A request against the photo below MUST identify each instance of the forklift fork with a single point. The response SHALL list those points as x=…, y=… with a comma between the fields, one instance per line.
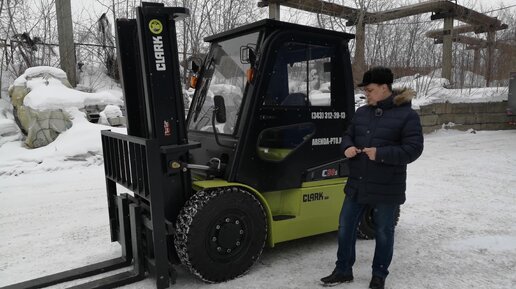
x=130, y=250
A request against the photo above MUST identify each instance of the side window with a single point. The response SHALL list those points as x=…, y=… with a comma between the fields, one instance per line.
x=276, y=143
x=301, y=76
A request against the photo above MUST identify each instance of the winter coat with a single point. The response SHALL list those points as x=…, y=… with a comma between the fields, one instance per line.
x=394, y=128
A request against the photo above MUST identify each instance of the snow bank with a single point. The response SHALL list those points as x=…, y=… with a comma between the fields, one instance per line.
x=9, y=130
x=59, y=97
x=81, y=143
x=432, y=89
x=110, y=112
x=32, y=72
x=51, y=93
x=47, y=90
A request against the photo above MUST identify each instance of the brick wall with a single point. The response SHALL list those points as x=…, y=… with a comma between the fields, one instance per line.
x=479, y=116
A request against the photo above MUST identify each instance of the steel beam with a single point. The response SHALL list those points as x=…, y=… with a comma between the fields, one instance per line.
x=274, y=11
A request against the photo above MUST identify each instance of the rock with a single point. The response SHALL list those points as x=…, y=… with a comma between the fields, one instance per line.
x=112, y=115
x=45, y=126
x=40, y=126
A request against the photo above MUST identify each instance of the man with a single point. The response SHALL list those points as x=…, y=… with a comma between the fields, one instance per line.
x=383, y=137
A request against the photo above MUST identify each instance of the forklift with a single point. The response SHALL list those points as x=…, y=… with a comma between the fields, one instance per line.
x=256, y=162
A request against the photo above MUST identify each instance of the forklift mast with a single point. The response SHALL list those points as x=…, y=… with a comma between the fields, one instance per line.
x=150, y=79
x=150, y=160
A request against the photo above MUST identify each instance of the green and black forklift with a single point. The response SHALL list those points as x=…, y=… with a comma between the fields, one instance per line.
x=256, y=162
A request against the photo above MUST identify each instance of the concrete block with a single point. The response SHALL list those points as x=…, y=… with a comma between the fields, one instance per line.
x=424, y=110
x=457, y=108
x=432, y=128
x=117, y=121
x=496, y=107
x=428, y=120
x=462, y=118
x=492, y=118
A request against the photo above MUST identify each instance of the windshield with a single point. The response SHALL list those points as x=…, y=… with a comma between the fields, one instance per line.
x=225, y=75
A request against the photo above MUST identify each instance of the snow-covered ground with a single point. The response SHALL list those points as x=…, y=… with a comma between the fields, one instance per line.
x=457, y=229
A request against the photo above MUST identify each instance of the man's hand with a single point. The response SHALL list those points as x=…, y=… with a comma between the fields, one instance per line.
x=351, y=152
x=370, y=152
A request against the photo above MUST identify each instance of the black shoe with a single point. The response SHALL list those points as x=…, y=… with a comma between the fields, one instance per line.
x=377, y=283
x=336, y=278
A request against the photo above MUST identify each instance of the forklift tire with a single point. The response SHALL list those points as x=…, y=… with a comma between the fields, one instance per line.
x=220, y=233
x=366, y=227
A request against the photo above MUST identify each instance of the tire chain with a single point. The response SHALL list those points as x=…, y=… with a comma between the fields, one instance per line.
x=186, y=216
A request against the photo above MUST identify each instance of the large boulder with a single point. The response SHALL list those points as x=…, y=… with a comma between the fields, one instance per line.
x=44, y=126
x=41, y=98
x=41, y=126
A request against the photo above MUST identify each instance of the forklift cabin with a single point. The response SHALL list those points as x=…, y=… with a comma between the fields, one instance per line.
x=288, y=95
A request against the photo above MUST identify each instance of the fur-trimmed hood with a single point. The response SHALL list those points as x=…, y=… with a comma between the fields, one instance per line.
x=402, y=96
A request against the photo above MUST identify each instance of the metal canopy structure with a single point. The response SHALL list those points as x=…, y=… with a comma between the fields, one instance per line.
x=440, y=9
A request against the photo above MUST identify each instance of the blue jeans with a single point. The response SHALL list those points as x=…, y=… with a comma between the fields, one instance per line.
x=384, y=219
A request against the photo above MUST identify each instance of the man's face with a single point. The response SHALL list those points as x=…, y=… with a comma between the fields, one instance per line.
x=376, y=92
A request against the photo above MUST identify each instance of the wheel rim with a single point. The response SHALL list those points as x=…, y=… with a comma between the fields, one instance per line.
x=228, y=236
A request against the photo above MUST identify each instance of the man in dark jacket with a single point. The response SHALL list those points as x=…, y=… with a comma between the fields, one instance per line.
x=383, y=137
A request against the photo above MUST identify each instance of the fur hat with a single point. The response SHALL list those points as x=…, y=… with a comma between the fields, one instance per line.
x=378, y=75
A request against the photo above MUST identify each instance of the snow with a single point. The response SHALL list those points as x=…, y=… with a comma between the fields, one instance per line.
x=80, y=142
x=493, y=243
x=34, y=71
x=9, y=130
x=46, y=91
x=93, y=78
x=457, y=229
x=111, y=111
x=320, y=98
x=432, y=89
x=54, y=95
x=58, y=97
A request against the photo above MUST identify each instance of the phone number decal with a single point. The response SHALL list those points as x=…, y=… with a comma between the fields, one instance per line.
x=328, y=115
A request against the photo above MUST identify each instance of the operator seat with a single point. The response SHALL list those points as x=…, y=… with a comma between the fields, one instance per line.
x=295, y=99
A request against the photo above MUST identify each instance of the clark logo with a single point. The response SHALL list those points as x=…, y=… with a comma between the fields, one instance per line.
x=314, y=197
x=155, y=26
x=159, y=53
x=329, y=173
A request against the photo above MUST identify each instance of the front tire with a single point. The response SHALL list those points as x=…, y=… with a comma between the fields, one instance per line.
x=220, y=233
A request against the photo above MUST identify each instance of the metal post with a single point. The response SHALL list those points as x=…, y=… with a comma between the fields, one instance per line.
x=447, y=61
x=274, y=11
x=65, y=35
x=490, y=54
x=476, y=60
